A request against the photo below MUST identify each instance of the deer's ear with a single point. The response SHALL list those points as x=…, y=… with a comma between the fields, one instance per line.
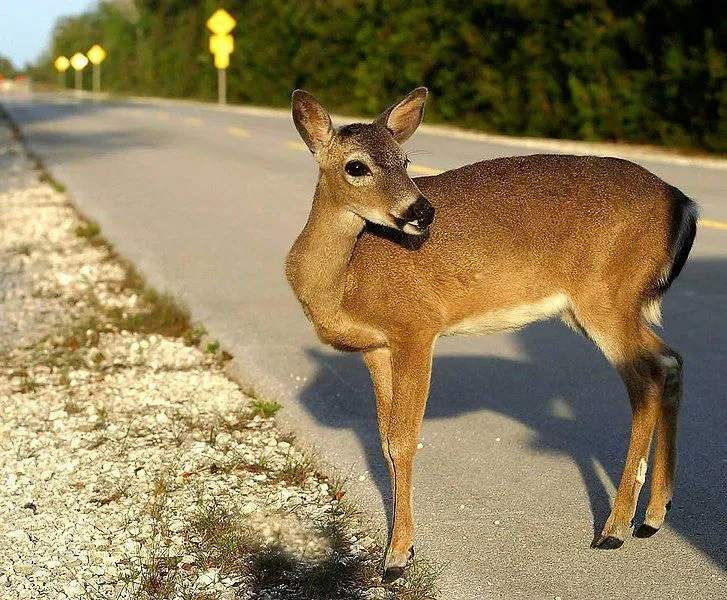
x=312, y=121
x=403, y=118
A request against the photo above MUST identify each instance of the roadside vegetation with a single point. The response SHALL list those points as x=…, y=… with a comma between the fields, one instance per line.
x=647, y=72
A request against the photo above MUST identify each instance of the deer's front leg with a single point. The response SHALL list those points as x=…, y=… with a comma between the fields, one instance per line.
x=378, y=362
x=411, y=367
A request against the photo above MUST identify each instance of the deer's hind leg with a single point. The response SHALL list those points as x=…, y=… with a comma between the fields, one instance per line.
x=662, y=478
x=627, y=343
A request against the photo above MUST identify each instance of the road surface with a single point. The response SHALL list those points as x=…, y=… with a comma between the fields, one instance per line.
x=524, y=434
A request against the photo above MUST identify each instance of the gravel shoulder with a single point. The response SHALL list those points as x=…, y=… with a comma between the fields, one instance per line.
x=131, y=466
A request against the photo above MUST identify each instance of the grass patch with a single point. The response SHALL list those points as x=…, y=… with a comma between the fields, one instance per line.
x=295, y=471
x=119, y=491
x=261, y=465
x=47, y=178
x=337, y=575
x=220, y=540
x=23, y=249
x=288, y=437
x=158, y=578
x=102, y=418
x=264, y=408
x=88, y=230
x=223, y=542
x=155, y=313
x=28, y=385
x=71, y=407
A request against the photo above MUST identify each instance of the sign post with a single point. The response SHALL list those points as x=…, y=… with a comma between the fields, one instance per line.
x=79, y=62
x=62, y=64
x=96, y=55
x=222, y=44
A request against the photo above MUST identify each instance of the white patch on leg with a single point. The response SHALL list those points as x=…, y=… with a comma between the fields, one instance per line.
x=641, y=471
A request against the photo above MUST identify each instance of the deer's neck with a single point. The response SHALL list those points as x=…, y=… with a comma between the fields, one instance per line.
x=317, y=262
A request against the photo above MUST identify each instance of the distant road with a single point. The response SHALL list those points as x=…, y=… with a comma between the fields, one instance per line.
x=525, y=433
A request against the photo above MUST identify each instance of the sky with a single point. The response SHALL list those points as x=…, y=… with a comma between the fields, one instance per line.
x=26, y=25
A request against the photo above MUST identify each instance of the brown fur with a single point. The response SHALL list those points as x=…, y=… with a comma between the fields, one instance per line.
x=514, y=239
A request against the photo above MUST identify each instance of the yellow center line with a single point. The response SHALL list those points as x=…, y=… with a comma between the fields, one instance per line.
x=296, y=145
x=713, y=224
x=423, y=170
x=238, y=132
x=194, y=121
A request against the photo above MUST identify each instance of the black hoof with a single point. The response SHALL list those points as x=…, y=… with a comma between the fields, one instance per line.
x=411, y=552
x=645, y=531
x=668, y=506
x=392, y=574
x=607, y=543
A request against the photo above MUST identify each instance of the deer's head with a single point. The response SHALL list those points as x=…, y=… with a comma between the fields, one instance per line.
x=362, y=165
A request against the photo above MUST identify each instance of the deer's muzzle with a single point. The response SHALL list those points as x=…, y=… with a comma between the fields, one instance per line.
x=417, y=217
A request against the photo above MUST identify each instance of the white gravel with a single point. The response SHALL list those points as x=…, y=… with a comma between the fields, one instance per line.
x=112, y=446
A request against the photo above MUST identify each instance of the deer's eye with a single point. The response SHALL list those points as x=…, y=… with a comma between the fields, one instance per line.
x=355, y=168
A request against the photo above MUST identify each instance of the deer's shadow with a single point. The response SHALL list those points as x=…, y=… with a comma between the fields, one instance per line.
x=564, y=369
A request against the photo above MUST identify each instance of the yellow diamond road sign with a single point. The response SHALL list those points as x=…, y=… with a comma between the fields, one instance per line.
x=222, y=61
x=221, y=22
x=62, y=63
x=79, y=61
x=96, y=54
x=221, y=44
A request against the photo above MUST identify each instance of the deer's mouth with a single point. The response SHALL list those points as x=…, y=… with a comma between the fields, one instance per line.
x=417, y=218
x=411, y=227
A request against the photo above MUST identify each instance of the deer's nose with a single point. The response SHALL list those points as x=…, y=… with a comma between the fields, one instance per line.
x=420, y=214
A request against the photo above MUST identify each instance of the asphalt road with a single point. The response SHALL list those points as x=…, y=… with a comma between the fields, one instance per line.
x=524, y=434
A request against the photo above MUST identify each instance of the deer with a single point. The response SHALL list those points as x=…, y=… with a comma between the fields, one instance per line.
x=387, y=263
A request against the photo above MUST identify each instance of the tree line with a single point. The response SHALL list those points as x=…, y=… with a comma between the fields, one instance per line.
x=7, y=70
x=650, y=71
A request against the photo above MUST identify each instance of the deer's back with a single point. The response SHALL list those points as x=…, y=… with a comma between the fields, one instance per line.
x=516, y=230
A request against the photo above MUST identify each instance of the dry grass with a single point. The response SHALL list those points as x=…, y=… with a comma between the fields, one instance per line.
x=296, y=470
x=158, y=578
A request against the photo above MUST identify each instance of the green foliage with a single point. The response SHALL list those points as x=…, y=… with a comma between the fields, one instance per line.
x=264, y=408
x=653, y=71
x=7, y=70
